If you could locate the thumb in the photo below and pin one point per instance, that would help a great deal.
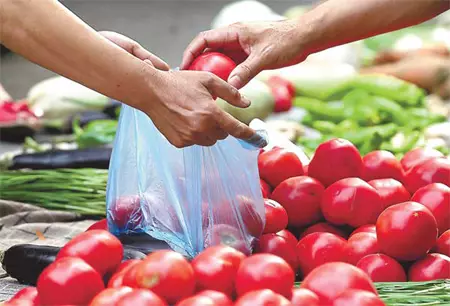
(245, 71)
(233, 126)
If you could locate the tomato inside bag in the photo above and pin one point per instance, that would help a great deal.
(189, 198)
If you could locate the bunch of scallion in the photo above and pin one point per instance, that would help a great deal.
(414, 293)
(81, 191)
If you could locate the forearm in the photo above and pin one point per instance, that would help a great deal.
(337, 22)
(45, 32)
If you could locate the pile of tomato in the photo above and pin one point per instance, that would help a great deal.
(337, 225)
(388, 217)
(89, 271)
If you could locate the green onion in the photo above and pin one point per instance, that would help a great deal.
(81, 191)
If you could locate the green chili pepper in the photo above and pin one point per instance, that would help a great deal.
(325, 127)
(390, 87)
(394, 111)
(411, 138)
(359, 136)
(321, 110)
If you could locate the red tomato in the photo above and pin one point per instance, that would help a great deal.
(197, 300)
(318, 248)
(162, 272)
(276, 217)
(368, 228)
(141, 297)
(323, 227)
(290, 238)
(110, 296)
(219, 298)
(99, 225)
(216, 270)
(358, 298)
(360, 245)
(381, 164)
(128, 278)
(282, 97)
(99, 248)
(117, 279)
(435, 170)
(226, 253)
(391, 191)
(432, 267)
(263, 297)
(224, 234)
(418, 156)
(334, 160)
(250, 216)
(277, 245)
(398, 223)
(443, 244)
(277, 80)
(265, 189)
(278, 165)
(28, 294)
(68, 280)
(352, 202)
(436, 197)
(304, 297)
(265, 271)
(382, 268)
(301, 197)
(126, 212)
(332, 279)
(125, 265)
(214, 62)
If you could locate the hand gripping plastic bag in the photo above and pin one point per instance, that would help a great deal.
(190, 198)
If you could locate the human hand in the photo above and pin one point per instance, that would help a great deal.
(256, 46)
(135, 49)
(184, 110)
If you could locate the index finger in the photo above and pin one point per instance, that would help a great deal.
(234, 127)
(226, 37)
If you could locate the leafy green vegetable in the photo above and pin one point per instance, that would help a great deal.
(95, 133)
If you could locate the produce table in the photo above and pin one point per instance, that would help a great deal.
(22, 223)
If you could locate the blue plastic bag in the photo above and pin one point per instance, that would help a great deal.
(190, 198)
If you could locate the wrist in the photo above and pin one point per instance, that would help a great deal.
(307, 32)
(144, 93)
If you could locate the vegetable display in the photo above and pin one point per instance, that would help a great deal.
(373, 112)
(336, 234)
(77, 190)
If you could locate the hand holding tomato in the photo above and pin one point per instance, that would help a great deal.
(184, 111)
(255, 46)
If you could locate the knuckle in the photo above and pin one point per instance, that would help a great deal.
(209, 79)
(235, 94)
(246, 69)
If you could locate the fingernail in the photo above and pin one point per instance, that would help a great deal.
(245, 101)
(235, 81)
